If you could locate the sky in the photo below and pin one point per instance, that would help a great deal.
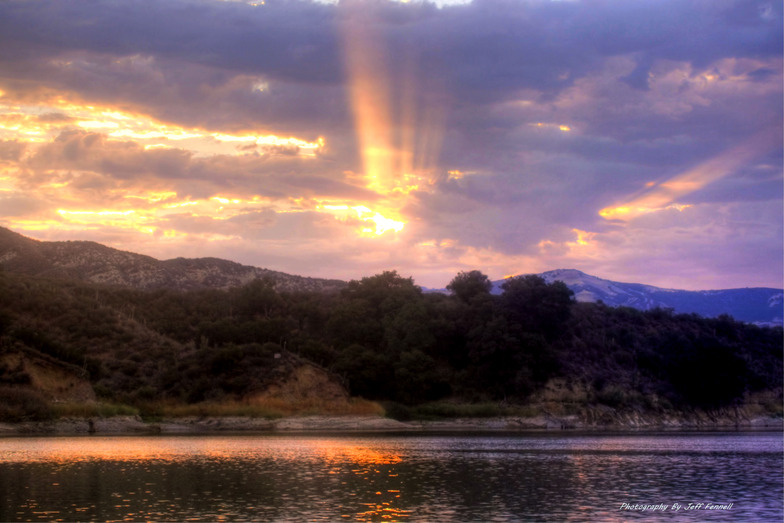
(635, 140)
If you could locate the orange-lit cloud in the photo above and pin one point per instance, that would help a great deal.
(664, 195)
(36, 124)
(561, 127)
(340, 139)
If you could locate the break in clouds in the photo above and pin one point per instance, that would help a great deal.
(638, 141)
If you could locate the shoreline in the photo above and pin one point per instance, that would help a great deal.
(134, 425)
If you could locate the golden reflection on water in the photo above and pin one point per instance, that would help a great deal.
(66, 450)
(73, 450)
(368, 463)
(341, 451)
(311, 478)
(372, 466)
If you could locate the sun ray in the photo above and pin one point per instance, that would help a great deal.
(398, 115)
(665, 195)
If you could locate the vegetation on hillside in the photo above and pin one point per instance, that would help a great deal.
(386, 340)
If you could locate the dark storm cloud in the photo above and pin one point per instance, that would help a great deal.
(181, 61)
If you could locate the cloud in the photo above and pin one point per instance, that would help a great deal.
(11, 150)
(95, 156)
(717, 245)
(495, 130)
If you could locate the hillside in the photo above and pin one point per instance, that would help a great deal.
(96, 263)
(380, 339)
(66, 342)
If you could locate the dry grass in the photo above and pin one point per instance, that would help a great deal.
(263, 408)
(91, 409)
(455, 410)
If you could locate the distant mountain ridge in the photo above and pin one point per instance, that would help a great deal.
(93, 262)
(96, 263)
(760, 305)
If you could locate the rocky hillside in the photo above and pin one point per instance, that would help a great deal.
(96, 263)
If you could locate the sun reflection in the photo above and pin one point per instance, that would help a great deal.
(332, 450)
(377, 468)
(81, 450)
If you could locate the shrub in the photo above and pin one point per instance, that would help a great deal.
(19, 404)
(459, 410)
(396, 411)
(92, 410)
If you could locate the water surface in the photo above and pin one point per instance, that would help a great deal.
(517, 477)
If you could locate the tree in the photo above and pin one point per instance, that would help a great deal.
(409, 329)
(258, 299)
(386, 292)
(368, 373)
(494, 360)
(536, 305)
(417, 378)
(467, 285)
(354, 321)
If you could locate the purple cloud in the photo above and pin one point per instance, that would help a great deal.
(546, 112)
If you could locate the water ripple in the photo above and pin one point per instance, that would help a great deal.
(548, 477)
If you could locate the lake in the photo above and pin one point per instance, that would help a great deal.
(410, 477)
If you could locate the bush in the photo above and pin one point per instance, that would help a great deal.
(612, 397)
(459, 410)
(18, 404)
(14, 376)
(92, 410)
(396, 411)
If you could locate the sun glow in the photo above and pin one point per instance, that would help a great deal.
(398, 108)
(153, 217)
(560, 127)
(398, 114)
(371, 223)
(132, 219)
(124, 204)
(94, 213)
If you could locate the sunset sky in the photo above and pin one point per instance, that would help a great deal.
(635, 140)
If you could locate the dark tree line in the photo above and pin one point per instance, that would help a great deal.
(387, 340)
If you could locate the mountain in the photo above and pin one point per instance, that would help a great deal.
(96, 263)
(93, 262)
(164, 351)
(752, 305)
